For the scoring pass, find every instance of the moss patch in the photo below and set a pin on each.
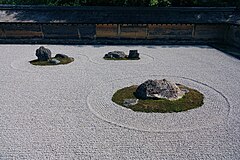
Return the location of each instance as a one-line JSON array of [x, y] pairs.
[[190, 100], [116, 59], [47, 63]]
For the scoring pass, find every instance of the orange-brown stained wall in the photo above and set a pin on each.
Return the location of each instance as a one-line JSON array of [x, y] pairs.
[[47, 31], [121, 31], [107, 31], [156, 31], [162, 31], [133, 31], [211, 33], [20, 31], [68, 31], [60, 31], [2, 34]]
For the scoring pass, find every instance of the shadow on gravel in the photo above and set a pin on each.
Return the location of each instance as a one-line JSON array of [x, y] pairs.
[[184, 46], [227, 49]]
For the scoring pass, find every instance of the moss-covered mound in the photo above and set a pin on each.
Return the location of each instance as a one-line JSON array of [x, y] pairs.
[[65, 60], [190, 100]]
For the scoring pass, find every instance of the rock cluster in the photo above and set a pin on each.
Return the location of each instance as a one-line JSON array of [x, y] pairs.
[[157, 89], [133, 54], [43, 54]]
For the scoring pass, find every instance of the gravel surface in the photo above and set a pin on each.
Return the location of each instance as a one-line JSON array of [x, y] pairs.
[[66, 112]]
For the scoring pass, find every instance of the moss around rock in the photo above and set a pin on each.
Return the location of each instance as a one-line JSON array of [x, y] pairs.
[[190, 100], [45, 59], [48, 63]]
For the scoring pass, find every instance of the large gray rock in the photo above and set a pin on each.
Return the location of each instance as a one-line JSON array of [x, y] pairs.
[[43, 54], [159, 89], [115, 54], [133, 54]]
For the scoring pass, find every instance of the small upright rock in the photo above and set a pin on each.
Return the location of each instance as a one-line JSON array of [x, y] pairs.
[[133, 54], [159, 89], [43, 54], [61, 56], [115, 54]]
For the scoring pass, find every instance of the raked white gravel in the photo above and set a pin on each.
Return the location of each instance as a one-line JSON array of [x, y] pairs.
[[66, 112]]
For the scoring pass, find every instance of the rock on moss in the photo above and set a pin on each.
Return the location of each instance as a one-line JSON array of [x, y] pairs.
[[43, 54], [115, 54], [159, 89]]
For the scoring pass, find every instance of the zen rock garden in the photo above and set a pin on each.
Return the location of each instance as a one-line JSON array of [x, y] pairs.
[[80, 110], [158, 96], [150, 96], [44, 58], [120, 55]]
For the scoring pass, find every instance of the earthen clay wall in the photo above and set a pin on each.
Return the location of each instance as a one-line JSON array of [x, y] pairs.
[[233, 35], [21, 24]]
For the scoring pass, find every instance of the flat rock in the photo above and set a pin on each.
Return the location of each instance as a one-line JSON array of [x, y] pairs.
[[115, 54], [54, 61], [130, 102], [61, 56], [157, 89], [43, 54]]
